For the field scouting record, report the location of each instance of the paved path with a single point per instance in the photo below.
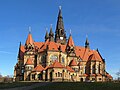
(29, 87)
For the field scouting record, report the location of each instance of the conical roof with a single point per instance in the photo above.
(29, 39)
(70, 41)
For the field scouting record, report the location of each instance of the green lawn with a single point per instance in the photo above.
(63, 86)
(13, 85)
(80, 86)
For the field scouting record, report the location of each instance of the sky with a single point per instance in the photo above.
(98, 19)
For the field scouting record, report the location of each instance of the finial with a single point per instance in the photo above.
(46, 29)
(70, 32)
(60, 7)
(86, 36)
(29, 28)
(50, 25)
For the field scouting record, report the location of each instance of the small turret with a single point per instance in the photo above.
(51, 34)
(70, 48)
(29, 45)
(46, 35)
(87, 43)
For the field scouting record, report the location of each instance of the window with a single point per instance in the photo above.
(100, 79)
(63, 60)
(93, 69)
(29, 68)
(56, 74)
(33, 76)
(22, 71)
(93, 79)
(43, 59)
(54, 57)
(59, 74)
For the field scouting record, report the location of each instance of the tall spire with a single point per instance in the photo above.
(46, 35)
(19, 51)
(51, 34)
(60, 35)
(87, 43)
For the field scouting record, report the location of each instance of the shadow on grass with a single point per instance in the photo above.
(79, 86)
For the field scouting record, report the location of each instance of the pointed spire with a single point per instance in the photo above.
(60, 34)
(51, 34)
(19, 56)
(29, 38)
(60, 11)
(87, 43)
(20, 44)
(70, 41)
(60, 20)
(46, 35)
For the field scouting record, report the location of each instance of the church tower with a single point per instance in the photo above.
(60, 35)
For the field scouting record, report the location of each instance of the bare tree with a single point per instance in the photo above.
(0, 75)
(118, 75)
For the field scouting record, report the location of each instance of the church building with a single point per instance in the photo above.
(59, 59)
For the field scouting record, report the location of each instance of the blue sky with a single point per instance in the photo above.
(99, 19)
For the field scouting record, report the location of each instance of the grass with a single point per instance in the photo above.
(64, 86)
(13, 85)
(80, 86)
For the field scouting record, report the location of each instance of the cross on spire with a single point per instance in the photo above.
(29, 28)
(60, 7)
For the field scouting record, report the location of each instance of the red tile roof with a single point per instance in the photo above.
(29, 62)
(69, 69)
(85, 75)
(38, 44)
(38, 68)
(93, 75)
(82, 52)
(109, 76)
(93, 57)
(56, 64)
(98, 74)
(73, 63)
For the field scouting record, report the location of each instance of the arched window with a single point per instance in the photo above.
(93, 69)
(58, 74)
(63, 60)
